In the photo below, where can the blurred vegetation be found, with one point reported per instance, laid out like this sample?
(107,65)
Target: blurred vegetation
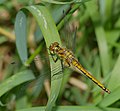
(91,29)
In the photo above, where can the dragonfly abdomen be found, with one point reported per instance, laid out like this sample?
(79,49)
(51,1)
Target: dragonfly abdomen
(84,71)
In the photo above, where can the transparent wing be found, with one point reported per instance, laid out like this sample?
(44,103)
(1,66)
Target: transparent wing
(68,34)
(41,70)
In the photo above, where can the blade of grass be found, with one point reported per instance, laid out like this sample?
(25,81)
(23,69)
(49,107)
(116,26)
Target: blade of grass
(58,2)
(100,35)
(15,80)
(59,13)
(114,85)
(109,5)
(72,108)
(50,33)
(21,34)
(110,99)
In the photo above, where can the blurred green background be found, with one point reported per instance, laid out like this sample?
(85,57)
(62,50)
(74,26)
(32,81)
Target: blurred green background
(90,28)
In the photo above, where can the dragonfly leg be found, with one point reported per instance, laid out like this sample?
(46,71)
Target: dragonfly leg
(55,59)
(66,63)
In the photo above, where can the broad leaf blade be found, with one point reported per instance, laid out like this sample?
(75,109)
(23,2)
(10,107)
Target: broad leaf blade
(15,80)
(114,85)
(21,35)
(50,33)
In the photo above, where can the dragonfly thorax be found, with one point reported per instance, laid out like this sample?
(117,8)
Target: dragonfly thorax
(54,47)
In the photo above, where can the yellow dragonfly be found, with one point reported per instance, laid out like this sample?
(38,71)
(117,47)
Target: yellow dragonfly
(69,60)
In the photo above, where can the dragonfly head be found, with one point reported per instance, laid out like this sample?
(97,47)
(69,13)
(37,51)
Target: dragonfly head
(54,47)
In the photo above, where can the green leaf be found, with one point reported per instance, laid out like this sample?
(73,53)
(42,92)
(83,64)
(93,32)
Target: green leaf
(103,48)
(21,35)
(72,108)
(15,80)
(100,35)
(114,85)
(115,79)
(109,5)
(59,2)
(110,99)
(50,33)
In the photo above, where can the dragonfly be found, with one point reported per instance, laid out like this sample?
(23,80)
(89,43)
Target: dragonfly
(68,58)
